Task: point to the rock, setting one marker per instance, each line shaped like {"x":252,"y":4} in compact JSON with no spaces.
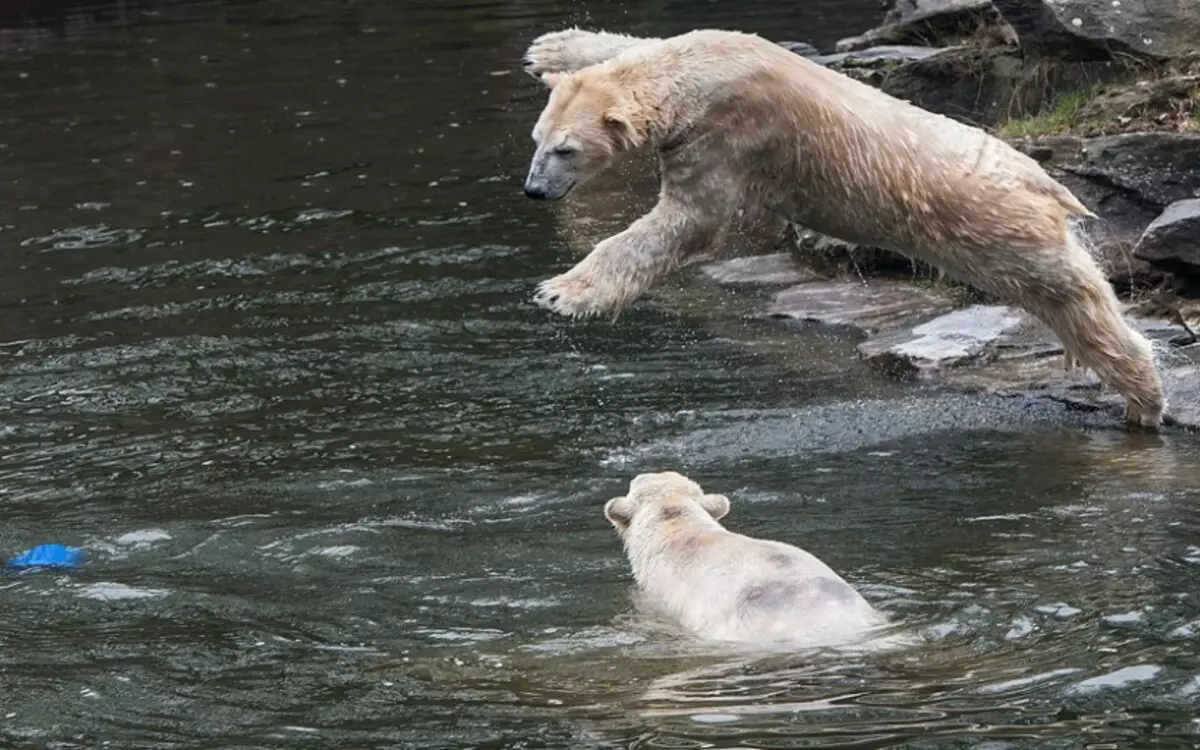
{"x":1104,"y":29}
{"x":777,"y":269}
{"x":1152,"y":168}
{"x":952,"y":339}
{"x":985,"y":85}
{"x":972,"y":85}
{"x":869,"y":65}
{"x":1173,"y":239}
{"x":880,"y":57}
{"x":1182,"y":384}
{"x":804,"y":49}
{"x":918,"y":21}
{"x":869,"y":307}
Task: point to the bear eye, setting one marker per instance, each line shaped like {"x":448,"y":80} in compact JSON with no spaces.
{"x":566,"y":151}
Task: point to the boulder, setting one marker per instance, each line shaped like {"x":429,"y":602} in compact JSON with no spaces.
{"x":973,"y":85}
{"x":1172,"y":241}
{"x":1127,"y":179}
{"x":923,"y":21}
{"x":1104,"y":29}
{"x":1182,"y":384}
{"x":1152,"y":168}
{"x":984,"y":86}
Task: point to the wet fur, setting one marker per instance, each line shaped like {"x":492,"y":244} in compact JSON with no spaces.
{"x":740,"y":122}
{"x":724,"y":586}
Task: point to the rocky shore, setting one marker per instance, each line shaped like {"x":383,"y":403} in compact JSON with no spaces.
{"x":1106,"y":96}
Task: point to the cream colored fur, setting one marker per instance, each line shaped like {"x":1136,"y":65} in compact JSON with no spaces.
{"x":725,"y":586}
{"x":740,"y":122}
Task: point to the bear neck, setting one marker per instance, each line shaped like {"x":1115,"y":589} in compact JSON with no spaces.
{"x":653,"y":543}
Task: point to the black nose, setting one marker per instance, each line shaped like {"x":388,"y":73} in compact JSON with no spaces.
{"x":538,"y":194}
{"x":526,"y":61}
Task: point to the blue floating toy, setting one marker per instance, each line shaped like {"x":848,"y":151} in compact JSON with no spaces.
{"x":48,"y":556}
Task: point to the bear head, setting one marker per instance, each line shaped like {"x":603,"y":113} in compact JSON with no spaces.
{"x":668,"y":496}
{"x":586,"y":124}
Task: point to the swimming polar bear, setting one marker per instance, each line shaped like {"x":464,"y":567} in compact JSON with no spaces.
{"x":723,"y":586}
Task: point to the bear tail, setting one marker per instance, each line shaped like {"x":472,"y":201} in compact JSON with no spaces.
{"x":1072,"y":204}
{"x":1067,"y":199}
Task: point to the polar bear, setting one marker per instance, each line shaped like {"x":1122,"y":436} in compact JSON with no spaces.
{"x":724,"y":586}
{"x":740,"y":121}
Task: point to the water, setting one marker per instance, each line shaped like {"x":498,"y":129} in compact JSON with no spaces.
{"x":268,"y":354}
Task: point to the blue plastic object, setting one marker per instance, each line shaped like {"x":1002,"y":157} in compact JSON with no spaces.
{"x":49,"y":556}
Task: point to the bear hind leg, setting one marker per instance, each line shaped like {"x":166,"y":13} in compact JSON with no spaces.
{"x":1079,"y":305}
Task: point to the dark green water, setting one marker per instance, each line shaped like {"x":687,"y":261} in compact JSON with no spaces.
{"x":267,"y":352}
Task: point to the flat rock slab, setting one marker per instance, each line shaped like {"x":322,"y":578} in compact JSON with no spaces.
{"x":960,"y":336}
{"x":880,"y":55}
{"x":877,"y":305}
{"x":777,"y":269}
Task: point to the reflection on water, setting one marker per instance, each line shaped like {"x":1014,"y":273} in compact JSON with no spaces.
{"x":268,"y":354}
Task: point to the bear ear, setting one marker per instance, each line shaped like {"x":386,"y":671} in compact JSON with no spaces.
{"x":552,"y":79}
{"x":716,"y":505}
{"x":622,"y":128}
{"x":619,"y":512}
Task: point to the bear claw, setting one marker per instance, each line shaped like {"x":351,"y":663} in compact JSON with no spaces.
{"x":570,"y":297}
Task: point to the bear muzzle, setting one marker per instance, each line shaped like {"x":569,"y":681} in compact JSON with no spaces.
{"x":537,"y":192}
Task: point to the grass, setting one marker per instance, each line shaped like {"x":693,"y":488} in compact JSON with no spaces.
{"x":1167,"y":102}
{"x":1058,"y":119}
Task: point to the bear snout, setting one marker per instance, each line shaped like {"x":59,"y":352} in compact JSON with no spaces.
{"x":536,"y":192}
{"x":526,"y":61}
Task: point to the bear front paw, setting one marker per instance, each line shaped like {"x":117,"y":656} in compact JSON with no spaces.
{"x":554,"y":52}
{"x":574,"y":297}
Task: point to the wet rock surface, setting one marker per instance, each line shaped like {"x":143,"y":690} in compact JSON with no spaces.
{"x":869,"y":306}
{"x":1098,"y":29}
{"x":759,"y":270}
{"x":964,"y":335}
